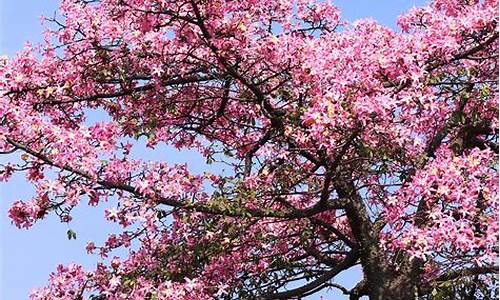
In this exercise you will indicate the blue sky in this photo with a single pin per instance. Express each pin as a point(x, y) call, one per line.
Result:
point(28, 256)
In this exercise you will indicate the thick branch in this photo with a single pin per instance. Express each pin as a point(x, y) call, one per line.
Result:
point(349, 261)
point(199, 207)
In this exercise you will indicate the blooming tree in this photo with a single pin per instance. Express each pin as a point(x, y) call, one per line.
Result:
point(348, 144)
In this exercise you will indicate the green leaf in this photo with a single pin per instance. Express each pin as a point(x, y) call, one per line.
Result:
point(153, 123)
point(160, 214)
point(366, 151)
point(484, 91)
point(458, 117)
point(71, 234)
point(228, 153)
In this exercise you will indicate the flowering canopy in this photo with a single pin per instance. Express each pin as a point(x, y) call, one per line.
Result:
point(348, 145)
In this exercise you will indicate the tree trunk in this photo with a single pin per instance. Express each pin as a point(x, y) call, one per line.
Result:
point(382, 282)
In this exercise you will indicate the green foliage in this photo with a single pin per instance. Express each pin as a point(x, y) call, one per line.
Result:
point(71, 234)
